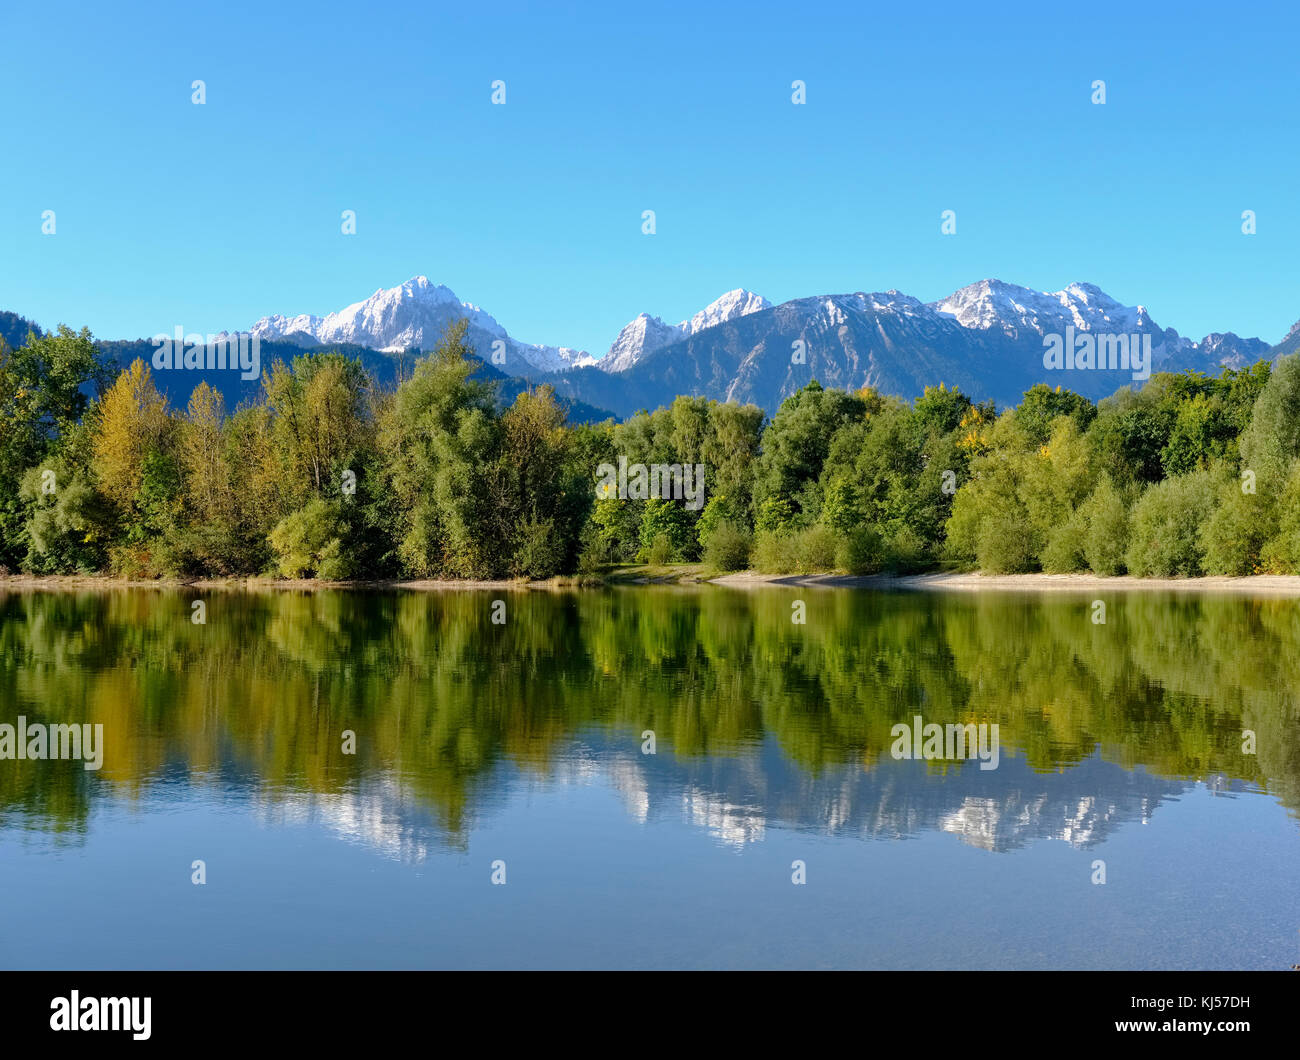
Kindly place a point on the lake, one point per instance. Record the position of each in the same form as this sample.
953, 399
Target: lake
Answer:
396, 780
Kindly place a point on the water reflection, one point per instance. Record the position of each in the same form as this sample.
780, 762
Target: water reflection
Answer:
759, 723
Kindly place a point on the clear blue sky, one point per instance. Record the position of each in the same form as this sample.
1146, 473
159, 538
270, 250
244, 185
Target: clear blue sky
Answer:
212, 216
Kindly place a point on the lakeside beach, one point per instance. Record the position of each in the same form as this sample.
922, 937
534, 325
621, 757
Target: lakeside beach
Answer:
693, 574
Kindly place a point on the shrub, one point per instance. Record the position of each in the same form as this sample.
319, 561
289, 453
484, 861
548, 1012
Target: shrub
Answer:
814, 549
810, 550
1063, 553
1106, 529
1166, 525
807, 551
727, 547
983, 508
332, 564
1003, 545
309, 542
65, 529
860, 551
718, 511
774, 553
597, 551
905, 552
1236, 532
660, 551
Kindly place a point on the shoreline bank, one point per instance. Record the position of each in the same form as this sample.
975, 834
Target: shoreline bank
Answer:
682, 575
973, 581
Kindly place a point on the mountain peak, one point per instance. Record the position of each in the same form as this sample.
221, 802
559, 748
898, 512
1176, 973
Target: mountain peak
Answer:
647, 333
1010, 308
413, 315
737, 303
1092, 295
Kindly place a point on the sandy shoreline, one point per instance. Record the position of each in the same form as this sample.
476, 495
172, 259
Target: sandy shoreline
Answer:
1260, 585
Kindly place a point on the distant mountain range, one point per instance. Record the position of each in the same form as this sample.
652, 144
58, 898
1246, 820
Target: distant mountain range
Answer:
987, 338
414, 315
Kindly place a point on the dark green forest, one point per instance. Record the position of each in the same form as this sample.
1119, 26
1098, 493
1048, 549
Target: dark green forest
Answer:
329, 474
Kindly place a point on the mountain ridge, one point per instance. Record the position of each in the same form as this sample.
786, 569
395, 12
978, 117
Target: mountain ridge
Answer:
987, 337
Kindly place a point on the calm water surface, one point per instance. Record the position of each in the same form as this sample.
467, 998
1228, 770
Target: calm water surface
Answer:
523, 743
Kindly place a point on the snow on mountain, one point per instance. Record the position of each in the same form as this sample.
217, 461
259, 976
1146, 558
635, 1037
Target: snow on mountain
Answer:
987, 337
413, 316
737, 303
646, 334
642, 335
992, 303
277, 326
1017, 311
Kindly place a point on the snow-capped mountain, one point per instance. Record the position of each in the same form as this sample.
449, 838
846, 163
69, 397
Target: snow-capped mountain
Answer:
987, 338
1016, 311
994, 304
646, 334
413, 316
641, 336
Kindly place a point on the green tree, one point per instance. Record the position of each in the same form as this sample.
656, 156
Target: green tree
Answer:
540, 494
1272, 439
439, 437
663, 521
795, 445
1041, 405
1130, 434
45, 389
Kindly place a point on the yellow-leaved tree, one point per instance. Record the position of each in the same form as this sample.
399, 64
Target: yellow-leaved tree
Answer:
132, 422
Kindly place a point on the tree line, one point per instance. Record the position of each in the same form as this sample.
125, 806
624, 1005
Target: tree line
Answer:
327, 474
